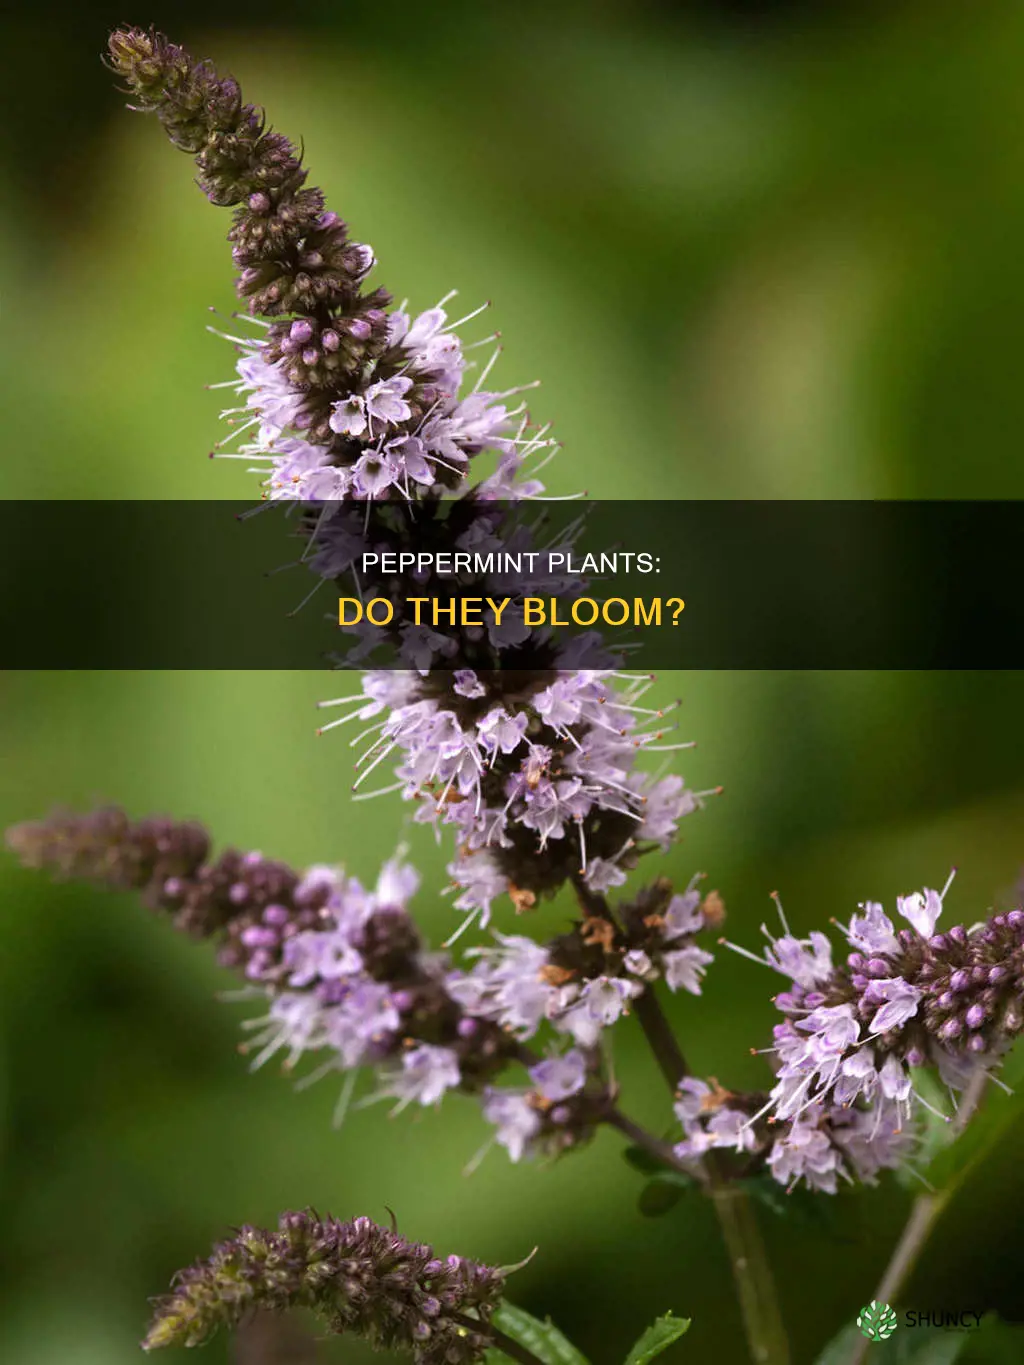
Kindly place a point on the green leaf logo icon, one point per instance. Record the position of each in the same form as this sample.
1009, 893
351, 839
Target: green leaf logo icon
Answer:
877, 1321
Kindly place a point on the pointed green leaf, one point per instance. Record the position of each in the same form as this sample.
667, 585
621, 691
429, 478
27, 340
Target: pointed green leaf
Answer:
999, 1113
658, 1336
542, 1338
643, 1161
663, 1192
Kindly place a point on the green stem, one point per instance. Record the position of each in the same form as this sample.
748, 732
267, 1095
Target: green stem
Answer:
926, 1211
640, 1137
752, 1274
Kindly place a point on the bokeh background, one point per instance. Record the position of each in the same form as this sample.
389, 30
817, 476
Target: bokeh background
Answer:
754, 251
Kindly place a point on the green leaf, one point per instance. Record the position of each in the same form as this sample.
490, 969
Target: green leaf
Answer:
660, 1334
998, 1114
933, 1129
660, 1195
801, 1205
643, 1161
908, 1346
542, 1338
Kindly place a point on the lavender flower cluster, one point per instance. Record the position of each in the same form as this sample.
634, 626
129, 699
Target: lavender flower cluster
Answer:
853, 1035
343, 398
535, 774
346, 975
819, 1146
904, 998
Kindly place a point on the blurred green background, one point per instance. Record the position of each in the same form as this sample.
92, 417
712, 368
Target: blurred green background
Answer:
754, 251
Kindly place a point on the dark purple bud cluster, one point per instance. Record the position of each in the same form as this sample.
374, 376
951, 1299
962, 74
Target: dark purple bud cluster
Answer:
324, 354
360, 1278
293, 256
971, 982
108, 849
243, 899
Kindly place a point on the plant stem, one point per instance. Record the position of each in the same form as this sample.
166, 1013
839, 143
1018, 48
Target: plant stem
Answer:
926, 1211
755, 1284
640, 1137
660, 1039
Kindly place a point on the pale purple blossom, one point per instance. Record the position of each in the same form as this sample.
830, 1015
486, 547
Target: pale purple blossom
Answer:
898, 1000
427, 1073
806, 1153
515, 1119
872, 931
558, 1077
684, 915
921, 909
685, 967
603, 874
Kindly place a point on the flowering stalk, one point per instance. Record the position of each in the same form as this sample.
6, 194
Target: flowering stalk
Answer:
359, 1278
347, 400
345, 972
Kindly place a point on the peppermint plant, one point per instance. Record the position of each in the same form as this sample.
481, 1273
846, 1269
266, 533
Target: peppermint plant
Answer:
889, 1028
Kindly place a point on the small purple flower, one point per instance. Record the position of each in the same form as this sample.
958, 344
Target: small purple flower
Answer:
807, 961
427, 1073
606, 998
684, 915
894, 1080
806, 1153
898, 1000
692, 1097
559, 1077
921, 909
516, 1120
872, 931
731, 1128
348, 415
857, 1076
508, 985
602, 874
684, 968
408, 454
637, 963
384, 401
667, 802
467, 684
375, 472
500, 732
